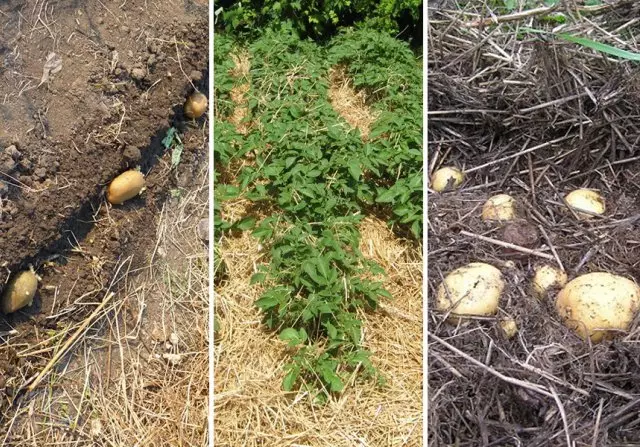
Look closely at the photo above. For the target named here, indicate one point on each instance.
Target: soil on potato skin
(126, 72)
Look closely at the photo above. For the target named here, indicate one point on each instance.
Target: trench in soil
(78, 249)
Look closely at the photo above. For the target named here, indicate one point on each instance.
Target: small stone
(203, 229)
(40, 173)
(96, 428)
(13, 152)
(8, 165)
(157, 334)
(196, 76)
(26, 165)
(174, 339)
(138, 74)
(132, 153)
(173, 359)
(522, 234)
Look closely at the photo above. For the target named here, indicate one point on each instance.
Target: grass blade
(588, 43)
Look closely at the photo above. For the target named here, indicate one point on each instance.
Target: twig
(175, 42)
(553, 248)
(69, 343)
(596, 429)
(508, 245)
(513, 17)
(518, 154)
(517, 382)
(563, 414)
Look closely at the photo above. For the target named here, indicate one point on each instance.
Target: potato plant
(321, 178)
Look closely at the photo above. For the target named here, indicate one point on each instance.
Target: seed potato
(474, 289)
(446, 178)
(196, 105)
(19, 292)
(125, 186)
(501, 207)
(545, 278)
(586, 200)
(595, 305)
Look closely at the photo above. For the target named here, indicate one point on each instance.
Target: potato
(196, 105)
(595, 304)
(501, 207)
(125, 186)
(508, 327)
(446, 178)
(545, 278)
(474, 289)
(585, 200)
(19, 292)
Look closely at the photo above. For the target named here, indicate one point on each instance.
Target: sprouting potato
(125, 186)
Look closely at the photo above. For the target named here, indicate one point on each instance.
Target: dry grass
(139, 374)
(240, 71)
(250, 406)
(349, 103)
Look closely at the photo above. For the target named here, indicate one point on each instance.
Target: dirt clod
(521, 233)
(203, 230)
(138, 73)
(131, 154)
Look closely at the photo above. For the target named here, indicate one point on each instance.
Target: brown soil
(126, 71)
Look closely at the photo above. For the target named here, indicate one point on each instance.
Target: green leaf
(588, 43)
(289, 334)
(387, 196)
(602, 47)
(331, 330)
(310, 269)
(510, 5)
(323, 267)
(167, 141)
(290, 379)
(176, 155)
(257, 278)
(246, 224)
(267, 302)
(226, 192)
(355, 170)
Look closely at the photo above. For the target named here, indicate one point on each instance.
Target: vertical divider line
(211, 332)
(425, 263)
